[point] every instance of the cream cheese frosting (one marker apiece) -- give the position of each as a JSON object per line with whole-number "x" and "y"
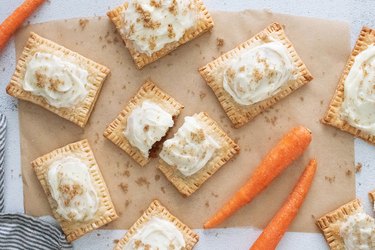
{"x": 157, "y": 234}
{"x": 258, "y": 72}
{"x": 72, "y": 189}
{"x": 151, "y": 24}
{"x": 191, "y": 147}
{"x": 146, "y": 125}
{"x": 358, "y": 232}
{"x": 62, "y": 83}
{"x": 358, "y": 107}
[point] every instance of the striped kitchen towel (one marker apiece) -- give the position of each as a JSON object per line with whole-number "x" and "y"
{"x": 3, "y": 127}
{"x": 20, "y": 231}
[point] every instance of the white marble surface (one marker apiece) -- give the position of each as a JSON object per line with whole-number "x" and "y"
{"x": 357, "y": 13}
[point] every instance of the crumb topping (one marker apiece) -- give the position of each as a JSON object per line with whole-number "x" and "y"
{"x": 151, "y": 24}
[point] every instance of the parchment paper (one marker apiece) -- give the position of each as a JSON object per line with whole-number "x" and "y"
{"x": 323, "y": 45}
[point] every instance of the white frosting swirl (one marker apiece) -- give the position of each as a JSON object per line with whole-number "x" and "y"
{"x": 72, "y": 189}
{"x": 190, "y": 149}
{"x": 157, "y": 234}
{"x": 151, "y": 24}
{"x": 61, "y": 83}
{"x": 146, "y": 125}
{"x": 358, "y": 232}
{"x": 358, "y": 108}
{"x": 258, "y": 73}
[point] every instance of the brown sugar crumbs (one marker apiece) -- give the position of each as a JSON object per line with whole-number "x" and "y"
{"x": 152, "y": 42}
{"x": 198, "y": 136}
{"x": 155, "y": 3}
{"x": 257, "y": 75}
{"x": 146, "y": 18}
{"x": 146, "y": 128}
{"x": 142, "y": 181}
{"x": 219, "y": 42}
{"x": 172, "y": 8}
{"x": 358, "y": 167}
{"x": 171, "y": 33}
{"x": 83, "y": 23}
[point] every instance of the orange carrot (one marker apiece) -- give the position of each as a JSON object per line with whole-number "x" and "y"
{"x": 289, "y": 148}
{"x": 272, "y": 234}
{"x": 14, "y": 21}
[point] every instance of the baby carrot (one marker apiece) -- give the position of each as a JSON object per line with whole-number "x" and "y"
{"x": 272, "y": 234}
{"x": 14, "y": 21}
{"x": 289, "y": 148}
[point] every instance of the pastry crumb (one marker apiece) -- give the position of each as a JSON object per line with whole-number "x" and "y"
{"x": 83, "y": 23}
{"x": 330, "y": 179}
{"x": 202, "y": 95}
{"x": 142, "y": 181}
{"x": 358, "y": 167}
{"x": 219, "y": 42}
{"x": 348, "y": 172}
{"x": 124, "y": 187}
{"x": 115, "y": 241}
{"x": 162, "y": 189}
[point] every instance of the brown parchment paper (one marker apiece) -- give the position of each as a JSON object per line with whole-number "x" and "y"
{"x": 323, "y": 45}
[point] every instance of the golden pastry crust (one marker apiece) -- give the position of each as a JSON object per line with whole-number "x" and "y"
{"x": 142, "y": 59}
{"x": 158, "y": 210}
{"x": 330, "y": 223}
{"x": 332, "y": 116}
{"x": 187, "y": 185}
{"x": 78, "y": 114}
{"x": 372, "y": 196}
{"x": 106, "y": 211}
{"x": 240, "y": 114}
{"x": 149, "y": 91}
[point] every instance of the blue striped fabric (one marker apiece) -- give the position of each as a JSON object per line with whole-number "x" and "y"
{"x": 3, "y": 126}
{"x": 20, "y": 231}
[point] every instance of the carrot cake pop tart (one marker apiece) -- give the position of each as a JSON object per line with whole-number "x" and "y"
{"x": 144, "y": 122}
{"x": 198, "y": 149}
{"x": 57, "y": 79}
{"x": 372, "y": 198}
{"x": 153, "y": 28}
{"x": 348, "y": 228}
{"x": 75, "y": 189}
{"x": 256, "y": 74}
{"x": 352, "y": 108}
{"x": 157, "y": 228}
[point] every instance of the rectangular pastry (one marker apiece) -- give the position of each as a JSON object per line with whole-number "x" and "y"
{"x": 256, "y": 74}
{"x": 198, "y": 149}
{"x": 372, "y": 198}
{"x": 75, "y": 189}
{"x": 143, "y": 123}
{"x": 158, "y": 229}
{"x": 153, "y": 28}
{"x": 348, "y": 228}
{"x": 352, "y": 108}
{"x": 57, "y": 79}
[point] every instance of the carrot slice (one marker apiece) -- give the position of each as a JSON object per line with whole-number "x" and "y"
{"x": 272, "y": 234}
{"x": 14, "y": 21}
{"x": 289, "y": 148}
